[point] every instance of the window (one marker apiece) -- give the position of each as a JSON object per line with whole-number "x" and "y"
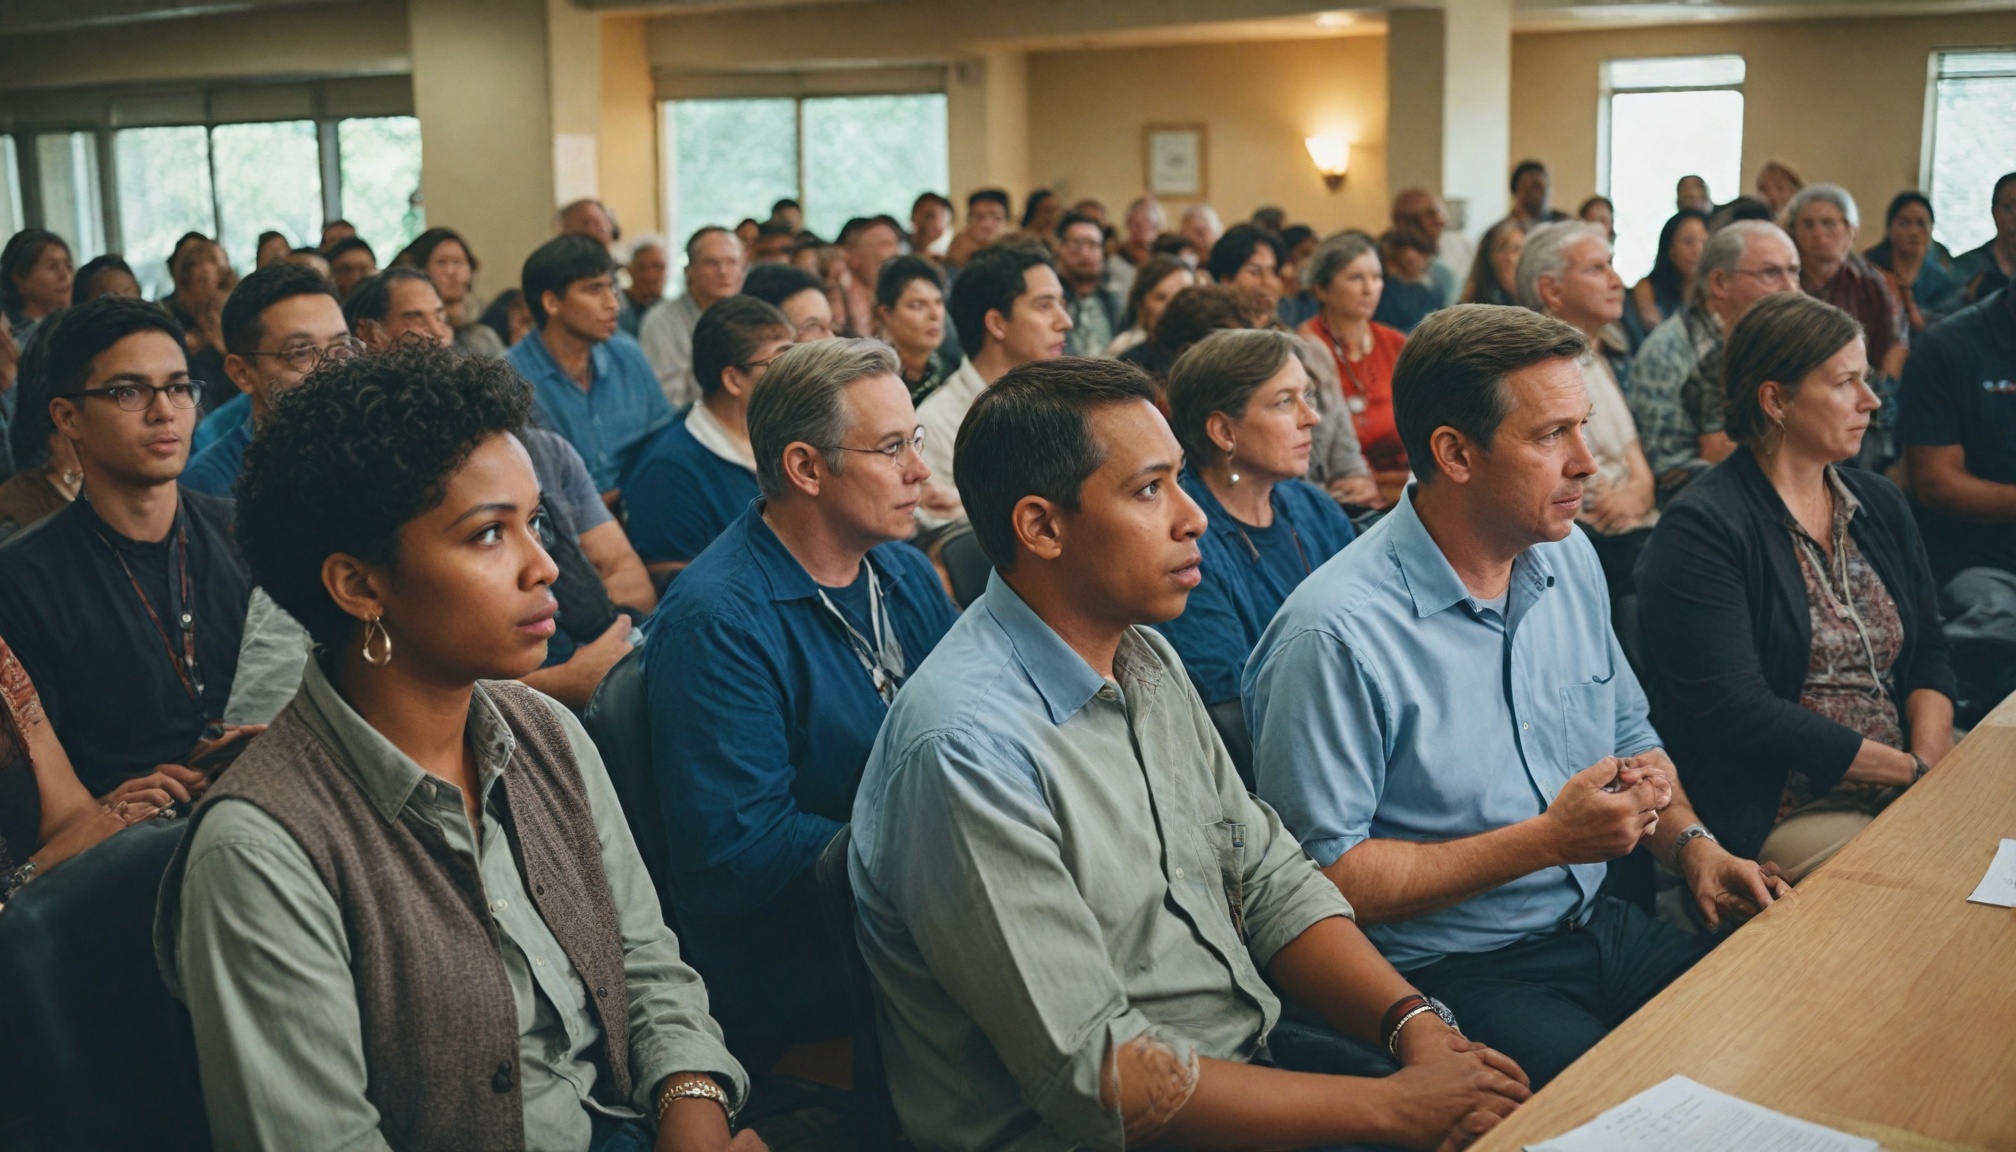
{"x": 839, "y": 156}
{"x": 68, "y": 167}
{"x": 12, "y": 219}
{"x": 379, "y": 163}
{"x": 269, "y": 177}
{"x": 1662, "y": 119}
{"x": 1969, "y": 142}
{"x": 164, "y": 191}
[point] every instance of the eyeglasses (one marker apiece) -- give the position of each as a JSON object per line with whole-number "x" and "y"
{"x": 891, "y": 451}
{"x": 747, "y": 365}
{"x": 1772, "y": 274}
{"x": 307, "y": 357}
{"x": 140, "y": 397}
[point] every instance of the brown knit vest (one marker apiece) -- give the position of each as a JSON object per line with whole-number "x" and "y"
{"x": 439, "y": 1021}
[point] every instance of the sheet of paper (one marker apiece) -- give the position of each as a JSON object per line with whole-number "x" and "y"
{"x": 1682, "y": 1116}
{"x": 1998, "y": 887}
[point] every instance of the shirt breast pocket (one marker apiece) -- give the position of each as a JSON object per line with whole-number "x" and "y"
{"x": 1588, "y": 722}
{"x": 1228, "y": 841}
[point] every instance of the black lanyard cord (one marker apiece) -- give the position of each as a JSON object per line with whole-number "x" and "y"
{"x": 180, "y": 608}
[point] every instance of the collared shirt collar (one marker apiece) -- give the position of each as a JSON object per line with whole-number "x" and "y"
{"x": 1430, "y": 579}
{"x": 598, "y": 360}
{"x": 785, "y": 576}
{"x": 1061, "y": 676}
{"x": 388, "y": 776}
{"x": 713, "y": 436}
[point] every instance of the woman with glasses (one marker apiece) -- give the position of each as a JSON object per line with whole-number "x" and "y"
{"x": 1790, "y": 620}
{"x": 696, "y": 475}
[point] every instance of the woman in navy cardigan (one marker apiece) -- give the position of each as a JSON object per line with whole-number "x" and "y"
{"x": 1799, "y": 673}
{"x": 1240, "y": 404}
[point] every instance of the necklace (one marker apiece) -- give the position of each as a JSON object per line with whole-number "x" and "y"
{"x": 1357, "y": 396}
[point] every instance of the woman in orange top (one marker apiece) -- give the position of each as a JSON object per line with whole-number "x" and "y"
{"x": 1345, "y": 277}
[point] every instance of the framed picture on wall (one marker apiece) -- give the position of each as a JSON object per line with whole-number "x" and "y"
{"x": 1176, "y": 160}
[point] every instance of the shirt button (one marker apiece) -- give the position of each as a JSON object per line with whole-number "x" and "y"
{"x": 1106, "y": 693}
{"x": 1523, "y": 726}
{"x": 1179, "y": 873}
{"x": 499, "y": 905}
{"x": 539, "y": 961}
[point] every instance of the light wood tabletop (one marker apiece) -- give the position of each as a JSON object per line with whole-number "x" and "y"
{"x": 1877, "y": 1000}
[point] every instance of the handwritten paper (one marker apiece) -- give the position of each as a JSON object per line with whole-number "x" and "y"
{"x": 1682, "y": 1116}
{"x": 1998, "y": 887}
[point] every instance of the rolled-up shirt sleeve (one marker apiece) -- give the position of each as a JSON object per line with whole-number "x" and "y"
{"x": 1024, "y": 956}
{"x": 1285, "y": 895}
{"x": 1325, "y": 779}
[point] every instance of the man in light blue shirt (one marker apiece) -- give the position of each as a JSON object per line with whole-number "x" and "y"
{"x": 1443, "y": 716}
{"x": 590, "y": 384}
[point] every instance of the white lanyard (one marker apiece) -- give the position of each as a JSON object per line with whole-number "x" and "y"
{"x": 883, "y": 659}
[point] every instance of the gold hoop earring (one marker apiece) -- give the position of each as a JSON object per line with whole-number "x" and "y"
{"x": 377, "y": 623}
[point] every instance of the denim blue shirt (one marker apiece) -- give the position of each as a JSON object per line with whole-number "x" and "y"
{"x": 1385, "y": 702}
{"x": 233, "y": 413}
{"x": 1247, "y": 573}
{"x": 681, "y": 495}
{"x": 621, "y": 407}
{"x": 761, "y": 718}
{"x": 215, "y": 469}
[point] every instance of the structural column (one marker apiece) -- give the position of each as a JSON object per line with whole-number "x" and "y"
{"x": 987, "y": 115}
{"x": 1449, "y": 100}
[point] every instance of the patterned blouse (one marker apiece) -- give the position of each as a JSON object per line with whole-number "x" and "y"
{"x": 20, "y": 799}
{"x": 1857, "y": 634}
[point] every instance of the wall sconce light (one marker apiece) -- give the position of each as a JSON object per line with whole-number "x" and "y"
{"x": 1332, "y": 155}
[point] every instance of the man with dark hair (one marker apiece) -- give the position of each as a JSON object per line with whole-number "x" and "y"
{"x": 332, "y": 232}
{"x": 1532, "y": 191}
{"x": 930, "y": 224}
{"x": 1247, "y": 258}
{"x": 1008, "y": 307}
{"x": 715, "y": 265}
{"x": 696, "y": 475}
{"x": 770, "y": 668}
{"x": 1081, "y": 265}
{"x": 989, "y": 218}
{"x": 279, "y": 324}
{"x": 1019, "y": 762}
{"x": 798, "y": 294}
{"x": 397, "y": 305}
{"x": 1988, "y": 269}
{"x": 873, "y": 243}
{"x": 126, "y": 608}
{"x": 589, "y": 384}
{"x": 773, "y": 243}
{"x": 788, "y": 213}
{"x": 1444, "y": 717}
{"x": 350, "y": 260}
{"x": 648, "y": 268}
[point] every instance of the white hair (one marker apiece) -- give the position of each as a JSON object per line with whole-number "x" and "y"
{"x": 640, "y": 243}
{"x": 1203, "y": 212}
{"x": 1831, "y": 193}
{"x": 1725, "y": 249}
{"x": 1546, "y": 254}
{"x": 1149, "y": 205}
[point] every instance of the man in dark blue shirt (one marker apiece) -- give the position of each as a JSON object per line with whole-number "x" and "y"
{"x": 770, "y": 665}
{"x": 1956, "y": 417}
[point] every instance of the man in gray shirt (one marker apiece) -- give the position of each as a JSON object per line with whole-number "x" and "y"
{"x": 1071, "y": 909}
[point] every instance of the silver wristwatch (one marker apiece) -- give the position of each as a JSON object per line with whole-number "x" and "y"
{"x": 1687, "y": 835}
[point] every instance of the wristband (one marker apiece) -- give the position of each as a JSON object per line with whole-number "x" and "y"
{"x": 697, "y": 1087}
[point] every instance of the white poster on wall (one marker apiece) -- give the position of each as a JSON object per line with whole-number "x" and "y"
{"x": 574, "y": 175}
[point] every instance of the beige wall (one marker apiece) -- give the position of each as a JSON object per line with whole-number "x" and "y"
{"x": 627, "y": 142}
{"x": 1840, "y": 100}
{"x": 1257, "y": 100}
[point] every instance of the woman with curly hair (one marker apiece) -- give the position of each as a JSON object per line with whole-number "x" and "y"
{"x": 411, "y": 914}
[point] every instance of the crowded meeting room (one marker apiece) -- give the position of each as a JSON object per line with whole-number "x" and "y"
{"x": 1219, "y": 575}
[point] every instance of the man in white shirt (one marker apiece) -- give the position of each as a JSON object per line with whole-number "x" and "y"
{"x": 714, "y": 268}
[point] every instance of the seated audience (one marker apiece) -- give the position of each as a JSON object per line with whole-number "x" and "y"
{"x": 1822, "y": 220}
{"x": 1018, "y": 762}
{"x": 1777, "y": 183}
{"x": 1190, "y": 315}
{"x": 590, "y": 218}
{"x": 1676, "y": 394}
{"x": 774, "y": 242}
{"x": 36, "y": 279}
{"x": 446, "y": 259}
{"x": 1957, "y": 421}
{"x": 46, "y": 816}
{"x": 309, "y": 258}
{"x": 1691, "y": 193}
{"x": 930, "y": 224}
{"x": 1421, "y": 212}
{"x": 770, "y": 669}
{"x": 1919, "y": 268}
{"x": 48, "y": 476}
{"x": 281, "y": 323}
{"x": 1008, "y": 308}
{"x": 1201, "y": 227}
{"x": 1788, "y": 610}
{"x": 647, "y": 269}
{"x": 1144, "y": 221}
{"x": 987, "y": 213}
{"x": 714, "y": 269}
{"x": 695, "y": 477}
{"x": 202, "y": 279}
{"x": 1670, "y": 284}
{"x": 334, "y": 232}
{"x": 106, "y": 276}
{"x": 126, "y": 608}
{"x": 1565, "y": 272}
{"x": 1494, "y": 275}
{"x": 272, "y": 248}
{"x": 1444, "y": 717}
{"x": 402, "y": 826}
{"x": 350, "y": 260}
{"x": 589, "y": 385}
{"x": 1155, "y": 283}
{"x": 1247, "y": 259}
{"x": 1297, "y": 305}
{"x": 1040, "y": 214}
{"x": 397, "y": 306}
{"x": 1533, "y": 195}
{"x": 1081, "y": 265}
{"x": 1409, "y": 293}
{"x": 873, "y": 243}
{"x": 1599, "y": 210}
{"x": 910, "y": 315}
{"x": 798, "y": 294}
{"x": 1345, "y": 276}
{"x": 1243, "y": 409}
{"x": 1988, "y": 269}
{"x": 788, "y": 213}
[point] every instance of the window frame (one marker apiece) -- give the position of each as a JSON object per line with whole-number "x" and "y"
{"x": 1606, "y": 88}
{"x": 1935, "y": 71}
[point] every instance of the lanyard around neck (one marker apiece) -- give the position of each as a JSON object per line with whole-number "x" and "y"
{"x": 883, "y": 658}
{"x": 181, "y": 609}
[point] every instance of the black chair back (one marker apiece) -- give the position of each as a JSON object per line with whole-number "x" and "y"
{"x": 1230, "y": 721}
{"x": 966, "y": 565}
{"x": 618, "y": 719}
{"x": 97, "y": 1055}
{"x": 874, "y": 1111}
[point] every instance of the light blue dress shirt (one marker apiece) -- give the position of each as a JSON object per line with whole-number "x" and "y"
{"x": 1386, "y": 702}
{"x": 622, "y": 406}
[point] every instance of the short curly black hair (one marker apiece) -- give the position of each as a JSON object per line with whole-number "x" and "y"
{"x": 354, "y": 453}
